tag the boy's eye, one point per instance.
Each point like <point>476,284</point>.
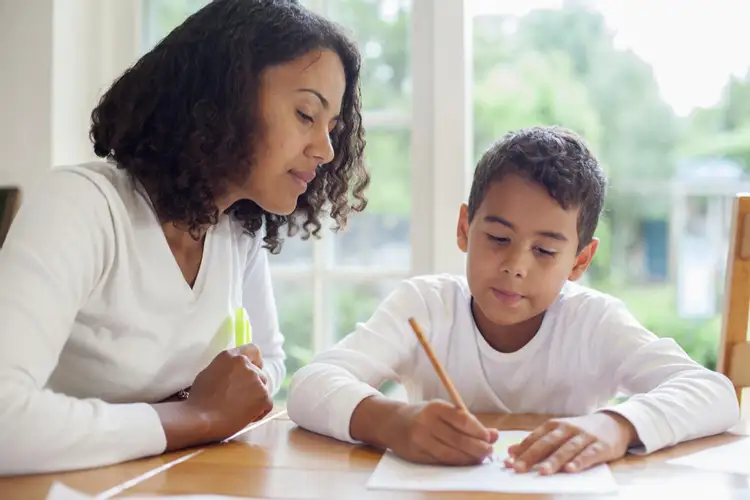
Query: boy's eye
<point>498,239</point>
<point>304,117</point>
<point>545,252</point>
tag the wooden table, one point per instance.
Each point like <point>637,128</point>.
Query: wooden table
<point>275,459</point>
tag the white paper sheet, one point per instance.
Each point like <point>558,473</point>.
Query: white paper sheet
<point>733,458</point>
<point>59,491</point>
<point>392,473</point>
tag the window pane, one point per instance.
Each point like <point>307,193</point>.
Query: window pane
<point>381,28</point>
<point>294,252</point>
<point>380,235</point>
<point>351,302</point>
<point>294,302</point>
<point>658,125</point>
<point>162,16</point>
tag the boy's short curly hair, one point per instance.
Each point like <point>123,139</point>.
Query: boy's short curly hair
<point>552,157</point>
<point>183,120</point>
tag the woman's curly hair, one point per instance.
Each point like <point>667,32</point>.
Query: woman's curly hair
<point>183,119</point>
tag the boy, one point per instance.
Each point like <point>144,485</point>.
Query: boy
<point>516,334</point>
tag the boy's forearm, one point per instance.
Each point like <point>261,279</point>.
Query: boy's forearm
<point>373,420</point>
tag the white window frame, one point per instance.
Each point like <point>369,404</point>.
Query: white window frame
<point>441,132</point>
<point>441,145</point>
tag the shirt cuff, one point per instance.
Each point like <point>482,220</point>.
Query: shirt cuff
<point>348,397</point>
<point>651,434</point>
<point>142,429</point>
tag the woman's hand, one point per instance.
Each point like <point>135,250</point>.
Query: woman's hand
<point>249,350</point>
<point>226,396</point>
<point>231,391</point>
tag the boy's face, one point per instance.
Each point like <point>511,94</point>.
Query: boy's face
<point>521,248</point>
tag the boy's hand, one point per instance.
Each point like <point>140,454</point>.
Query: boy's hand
<point>437,432</point>
<point>573,444</point>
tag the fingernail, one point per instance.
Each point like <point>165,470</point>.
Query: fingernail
<point>520,465</point>
<point>571,466</point>
<point>544,468</point>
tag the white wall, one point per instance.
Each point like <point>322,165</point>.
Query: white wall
<point>93,42</point>
<point>56,58</point>
<point>25,90</point>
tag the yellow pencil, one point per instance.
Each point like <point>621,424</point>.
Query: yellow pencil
<point>457,401</point>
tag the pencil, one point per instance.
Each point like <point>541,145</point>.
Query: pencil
<point>457,401</point>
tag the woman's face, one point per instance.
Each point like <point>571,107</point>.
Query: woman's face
<point>298,104</point>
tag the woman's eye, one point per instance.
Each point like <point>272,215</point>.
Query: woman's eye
<point>304,117</point>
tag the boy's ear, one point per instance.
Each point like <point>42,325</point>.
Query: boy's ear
<point>462,229</point>
<point>583,260</point>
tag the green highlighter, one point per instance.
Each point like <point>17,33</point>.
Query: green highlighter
<point>243,332</point>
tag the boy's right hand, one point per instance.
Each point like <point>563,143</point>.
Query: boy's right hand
<point>436,432</point>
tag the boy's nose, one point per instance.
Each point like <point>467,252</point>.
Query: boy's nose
<point>515,264</point>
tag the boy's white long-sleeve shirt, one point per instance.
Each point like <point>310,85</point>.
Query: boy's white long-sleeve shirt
<point>97,321</point>
<point>588,349</point>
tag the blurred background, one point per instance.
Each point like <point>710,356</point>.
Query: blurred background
<point>660,90</point>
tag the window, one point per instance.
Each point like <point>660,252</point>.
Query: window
<point>671,131</point>
<point>159,17</point>
<point>350,272</point>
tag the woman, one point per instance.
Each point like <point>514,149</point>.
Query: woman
<point>122,282</point>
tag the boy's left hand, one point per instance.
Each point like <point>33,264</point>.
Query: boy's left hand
<point>573,444</point>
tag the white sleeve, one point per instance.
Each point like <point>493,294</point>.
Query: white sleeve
<point>258,300</point>
<point>55,253</point>
<point>325,393</point>
<point>672,397</point>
